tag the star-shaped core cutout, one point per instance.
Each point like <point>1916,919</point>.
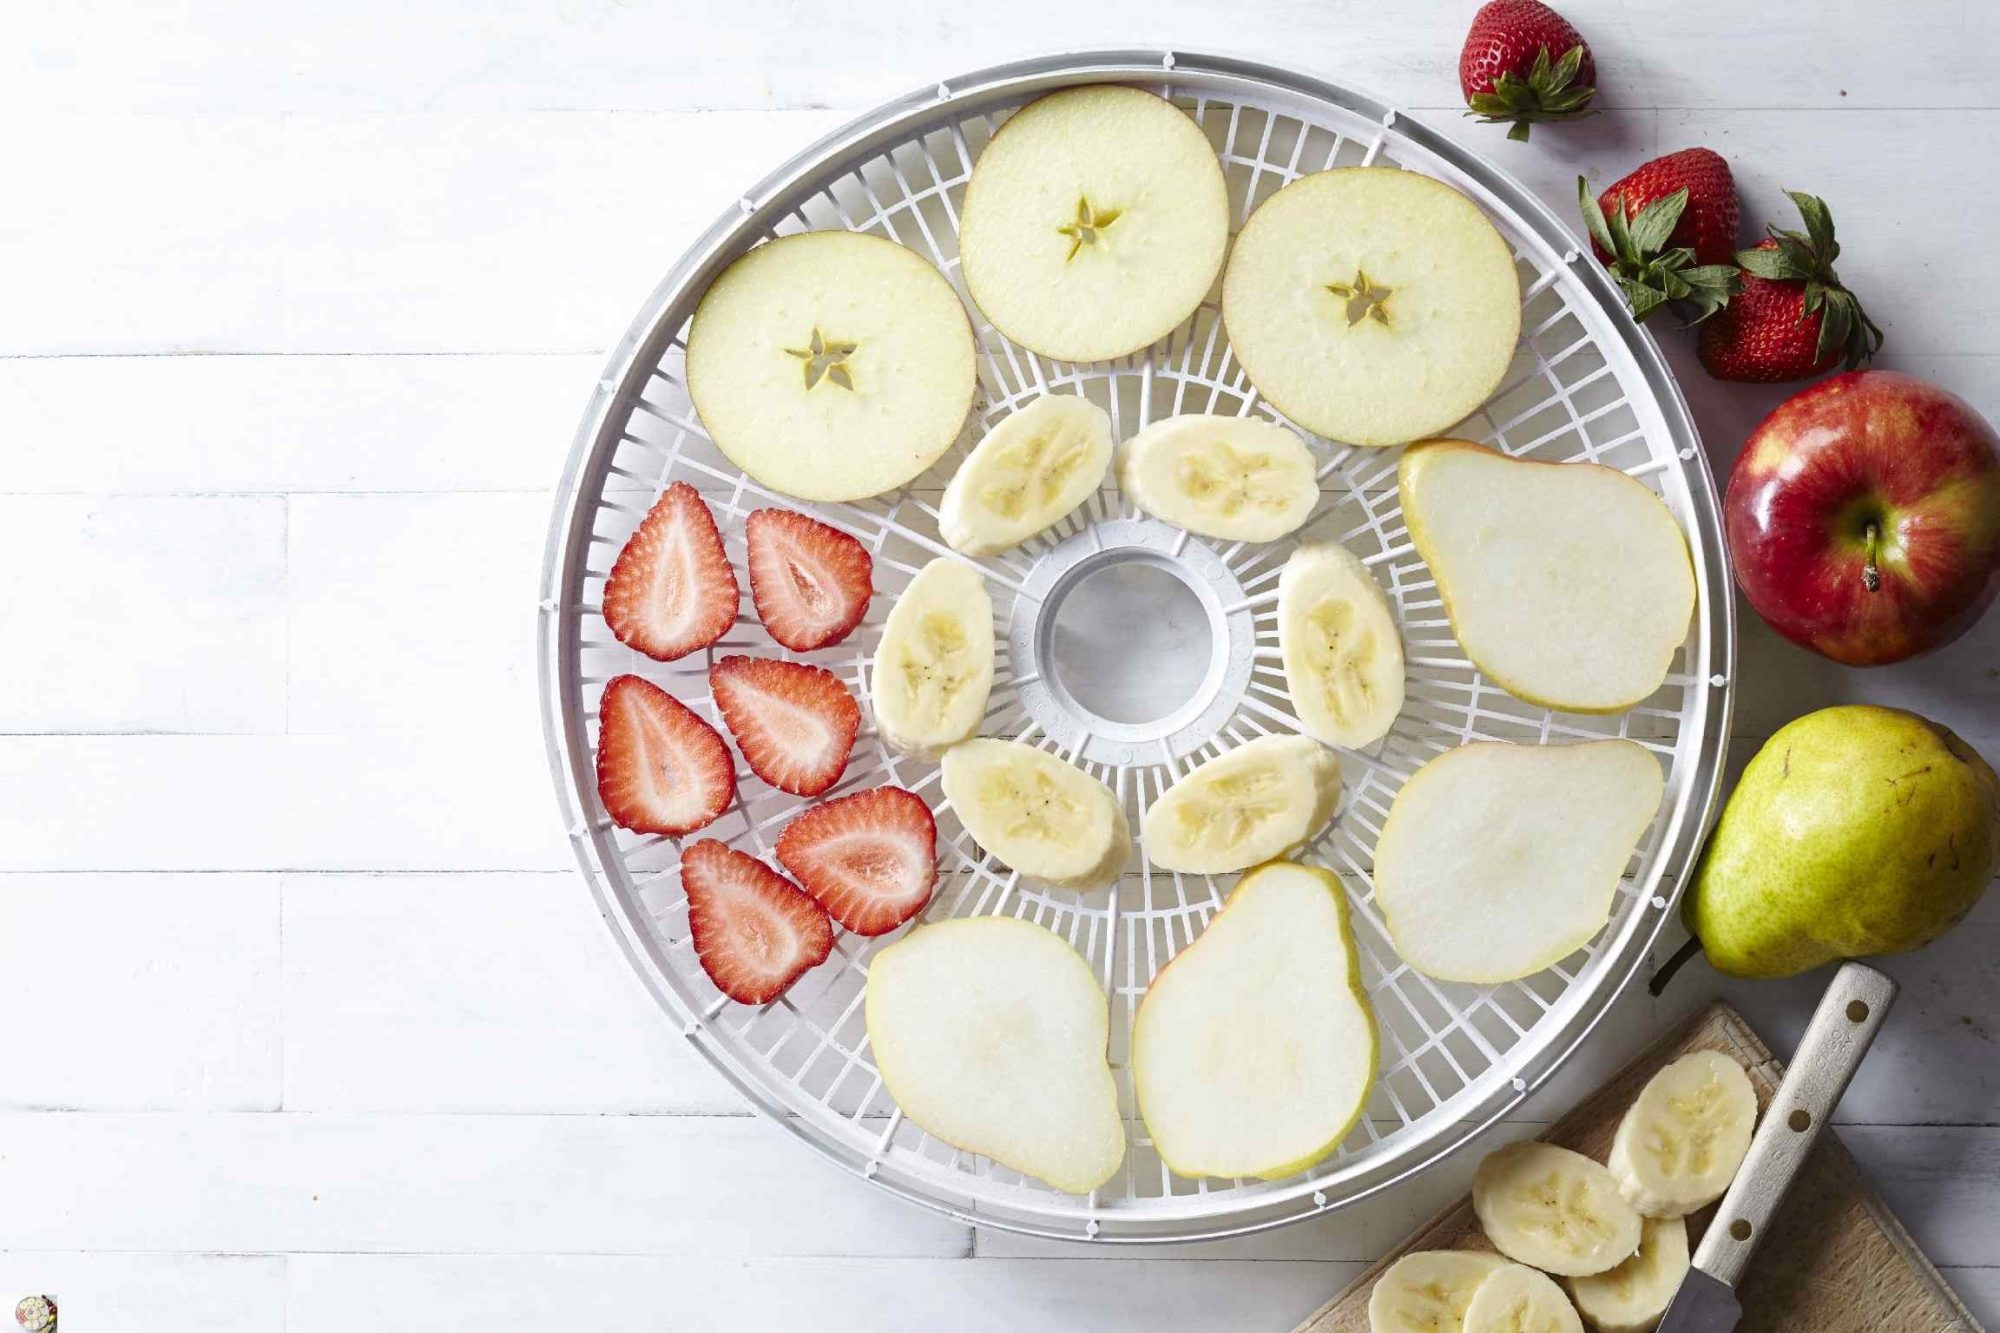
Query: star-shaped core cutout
<point>1364,299</point>
<point>825,360</point>
<point>1088,227</point>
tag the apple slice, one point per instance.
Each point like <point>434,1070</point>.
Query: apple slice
<point>1254,1049</point>
<point>831,365</point>
<point>1094,223</point>
<point>1499,860</point>
<point>1568,583</point>
<point>990,1034</point>
<point>1372,305</point>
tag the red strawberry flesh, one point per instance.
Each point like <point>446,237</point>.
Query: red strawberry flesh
<point>870,859</point>
<point>794,723</point>
<point>660,768</point>
<point>811,582</point>
<point>755,932</point>
<point>671,591</point>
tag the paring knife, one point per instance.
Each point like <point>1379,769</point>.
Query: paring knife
<point>1838,1036</point>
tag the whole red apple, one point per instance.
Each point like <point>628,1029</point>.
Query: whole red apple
<point>1864,517</point>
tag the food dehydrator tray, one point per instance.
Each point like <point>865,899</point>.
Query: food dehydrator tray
<point>1586,383</point>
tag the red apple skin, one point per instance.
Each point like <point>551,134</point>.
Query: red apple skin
<point>1869,448</point>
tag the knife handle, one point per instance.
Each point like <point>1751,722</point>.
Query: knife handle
<point>1842,1027</point>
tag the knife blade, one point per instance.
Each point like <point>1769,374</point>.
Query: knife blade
<point>1848,1017</point>
<point>1704,1304</point>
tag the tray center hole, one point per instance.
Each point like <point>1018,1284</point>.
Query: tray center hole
<point>1131,640</point>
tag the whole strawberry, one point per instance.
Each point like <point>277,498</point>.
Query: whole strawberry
<point>1792,319</point>
<point>1523,63</point>
<point>1666,232</point>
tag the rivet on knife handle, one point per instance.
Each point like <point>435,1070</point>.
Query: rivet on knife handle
<point>1836,1039</point>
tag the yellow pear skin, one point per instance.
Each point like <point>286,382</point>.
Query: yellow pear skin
<point>1855,830</point>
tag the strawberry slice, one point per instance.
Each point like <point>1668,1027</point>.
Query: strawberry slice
<point>794,723</point>
<point>660,768</point>
<point>671,590</point>
<point>870,859</point>
<point>754,931</point>
<point>810,581</point>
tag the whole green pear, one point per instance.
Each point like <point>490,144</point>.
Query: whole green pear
<point>1855,831</point>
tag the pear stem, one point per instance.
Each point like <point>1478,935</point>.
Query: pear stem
<point>1673,965</point>
<point>1871,574</point>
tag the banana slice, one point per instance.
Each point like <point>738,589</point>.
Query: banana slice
<point>1517,1299</point>
<point>1244,806</point>
<point>1342,652</point>
<point>1632,1297</point>
<point>1045,818</point>
<point>1427,1292</point>
<point>1240,479</point>
<point>1554,1209</point>
<point>1028,471</point>
<point>934,667</point>
<point>1679,1146</point>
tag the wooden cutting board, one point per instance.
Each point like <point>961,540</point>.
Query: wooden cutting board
<point>1835,1261</point>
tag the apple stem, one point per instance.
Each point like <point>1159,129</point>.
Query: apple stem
<point>1871,574</point>
<point>1673,965</point>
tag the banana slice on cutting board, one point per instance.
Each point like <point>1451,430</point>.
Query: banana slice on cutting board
<point>1026,474</point>
<point>934,667</point>
<point>1045,818</point>
<point>1244,807</point>
<point>1239,479</point>
<point>1679,1145</point>
<point>1632,1297</point>
<point>1427,1291</point>
<point>1342,652</point>
<point>1517,1299</point>
<point>1554,1209</point>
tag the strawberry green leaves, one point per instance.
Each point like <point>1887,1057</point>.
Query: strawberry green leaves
<point>1649,272</point>
<point>1807,257</point>
<point>1549,92</point>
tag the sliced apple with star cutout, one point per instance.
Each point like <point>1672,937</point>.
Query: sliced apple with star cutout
<point>1498,860</point>
<point>990,1033</point>
<point>831,365</point>
<point>1568,583</point>
<point>1094,223</point>
<point>1254,1049</point>
<point>1372,305</point>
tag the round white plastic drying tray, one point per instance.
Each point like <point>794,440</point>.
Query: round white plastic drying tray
<point>1137,651</point>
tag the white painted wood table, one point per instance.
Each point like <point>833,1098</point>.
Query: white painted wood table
<point>305,1019</point>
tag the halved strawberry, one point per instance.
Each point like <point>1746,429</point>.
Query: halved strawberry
<point>870,859</point>
<point>754,931</point>
<point>660,769</point>
<point>671,590</point>
<point>810,581</point>
<point>794,723</point>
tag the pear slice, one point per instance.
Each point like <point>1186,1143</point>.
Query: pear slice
<point>1254,1049</point>
<point>831,365</point>
<point>990,1034</point>
<point>1372,305</point>
<point>1094,223</point>
<point>1567,583</point>
<point>1499,860</point>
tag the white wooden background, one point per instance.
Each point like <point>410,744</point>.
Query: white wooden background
<point>305,1020</point>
